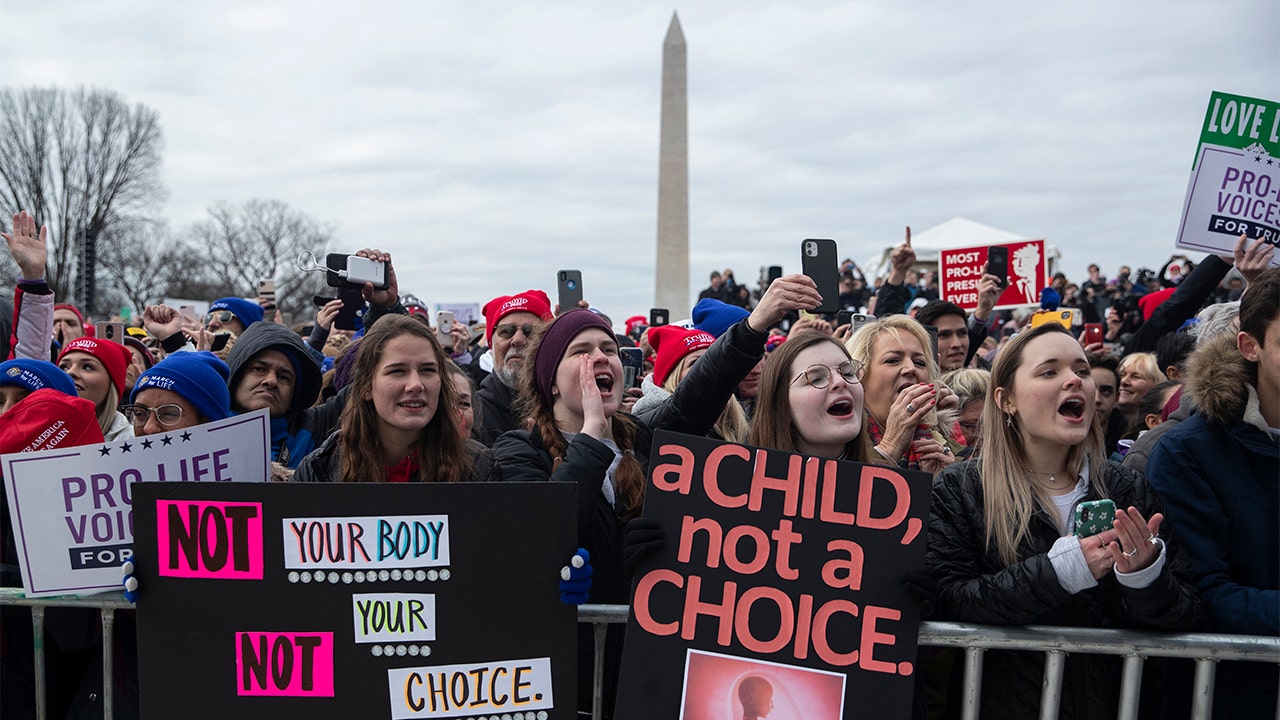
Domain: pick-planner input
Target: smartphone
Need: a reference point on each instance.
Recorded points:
(818, 260)
(359, 270)
(933, 340)
(632, 366)
(1062, 317)
(188, 312)
(220, 341)
(267, 293)
(109, 331)
(444, 324)
(860, 319)
(569, 288)
(774, 272)
(352, 309)
(1094, 516)
(659, 317)
(843, 318)
(1092, 333)
(998, 263)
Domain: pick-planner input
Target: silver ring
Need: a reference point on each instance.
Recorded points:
(1151, 538)
(1131, 553)
(946, 449)
(911, 408)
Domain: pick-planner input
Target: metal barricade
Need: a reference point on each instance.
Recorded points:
(1055, 642)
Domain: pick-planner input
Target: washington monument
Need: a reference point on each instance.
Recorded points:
(672, 266)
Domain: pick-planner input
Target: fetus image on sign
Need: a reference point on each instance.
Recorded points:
(756, 696)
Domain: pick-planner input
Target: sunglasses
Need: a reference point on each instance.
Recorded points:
(167, 415)
(222, 316)
(819, 376)
(508, 331)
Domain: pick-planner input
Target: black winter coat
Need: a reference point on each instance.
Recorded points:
(977, 587)
(325, 464)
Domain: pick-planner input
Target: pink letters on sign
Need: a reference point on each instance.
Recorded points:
(204, 539)
(297, 664)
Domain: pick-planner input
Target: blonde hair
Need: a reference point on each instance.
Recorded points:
(1009, 499)
(732, 424)
(863, 342)
(968, 384)
(107, 412)
(1146, 363)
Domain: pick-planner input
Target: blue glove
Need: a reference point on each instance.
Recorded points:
(130, 582)
(575, 579)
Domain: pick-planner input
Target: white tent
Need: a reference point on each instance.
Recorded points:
(954, 233)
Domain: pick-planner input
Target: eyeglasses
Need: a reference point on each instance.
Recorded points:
(819, 376)
(508, 331)
(223, 316)
(167, 415)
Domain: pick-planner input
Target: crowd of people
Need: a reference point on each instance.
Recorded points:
(1173, 415)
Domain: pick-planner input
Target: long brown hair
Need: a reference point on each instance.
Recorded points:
(1009, 498)
(442, 455)
(539, 411)
(771, 423)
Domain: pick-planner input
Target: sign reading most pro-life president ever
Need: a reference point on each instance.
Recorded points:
(1235, 179)
(777, 591)
(72, 508)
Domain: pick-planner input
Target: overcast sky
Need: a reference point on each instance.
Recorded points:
(487, 145)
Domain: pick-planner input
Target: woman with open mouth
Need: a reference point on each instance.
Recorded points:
(1004, 540)
(902, 394)
(572, 391)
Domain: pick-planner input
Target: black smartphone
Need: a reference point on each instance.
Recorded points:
(220, 341)
(569, 283)
(366, 271)
(659, 317)
(933, 340)
(844, 317)
(818, 260)
(352, 309)
(775, 272)
(998, 264)
(632, 366)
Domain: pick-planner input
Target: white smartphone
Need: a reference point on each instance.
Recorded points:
(444, 323)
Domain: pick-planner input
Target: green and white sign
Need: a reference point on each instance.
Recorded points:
(1235, 179)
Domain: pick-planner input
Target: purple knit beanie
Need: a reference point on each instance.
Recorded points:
(556, 339)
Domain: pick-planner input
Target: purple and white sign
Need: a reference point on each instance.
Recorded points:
(72, 509)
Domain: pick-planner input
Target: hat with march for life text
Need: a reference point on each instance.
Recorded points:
(200, 377)
(36, 375)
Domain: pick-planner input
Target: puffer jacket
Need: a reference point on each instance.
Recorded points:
(977, 587)
(325, 464)
(1218, 472)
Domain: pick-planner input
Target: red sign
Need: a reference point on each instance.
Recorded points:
(961, 269)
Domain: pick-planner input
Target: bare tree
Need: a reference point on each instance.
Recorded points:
(141, 262)
(80, 161)
(263, 239)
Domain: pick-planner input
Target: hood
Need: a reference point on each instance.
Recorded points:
(652, 398)
(1220, 383)
(273, 336)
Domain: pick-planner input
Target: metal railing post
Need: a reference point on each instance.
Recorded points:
(37, 627)
(972, 701)
(1202, 694)
(597, 675)
(1130, 687)
(1051, 690)
(108, 663)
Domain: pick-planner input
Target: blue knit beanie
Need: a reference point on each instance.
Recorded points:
(716, 317)
(36, 375)
(200, 377)
(247, 312)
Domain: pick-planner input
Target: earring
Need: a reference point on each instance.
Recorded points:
(1008, 420)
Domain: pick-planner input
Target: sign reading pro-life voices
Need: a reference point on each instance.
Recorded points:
(777, 591)
(1235, 179)
(72, 509)
(393, 601)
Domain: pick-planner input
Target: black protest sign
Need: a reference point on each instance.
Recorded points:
(271, 600)
(777, 590)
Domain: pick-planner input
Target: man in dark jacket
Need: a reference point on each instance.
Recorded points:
(1218, 473)
(510, 322)
(271, 367)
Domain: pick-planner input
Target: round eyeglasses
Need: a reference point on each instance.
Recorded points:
(819, 376)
